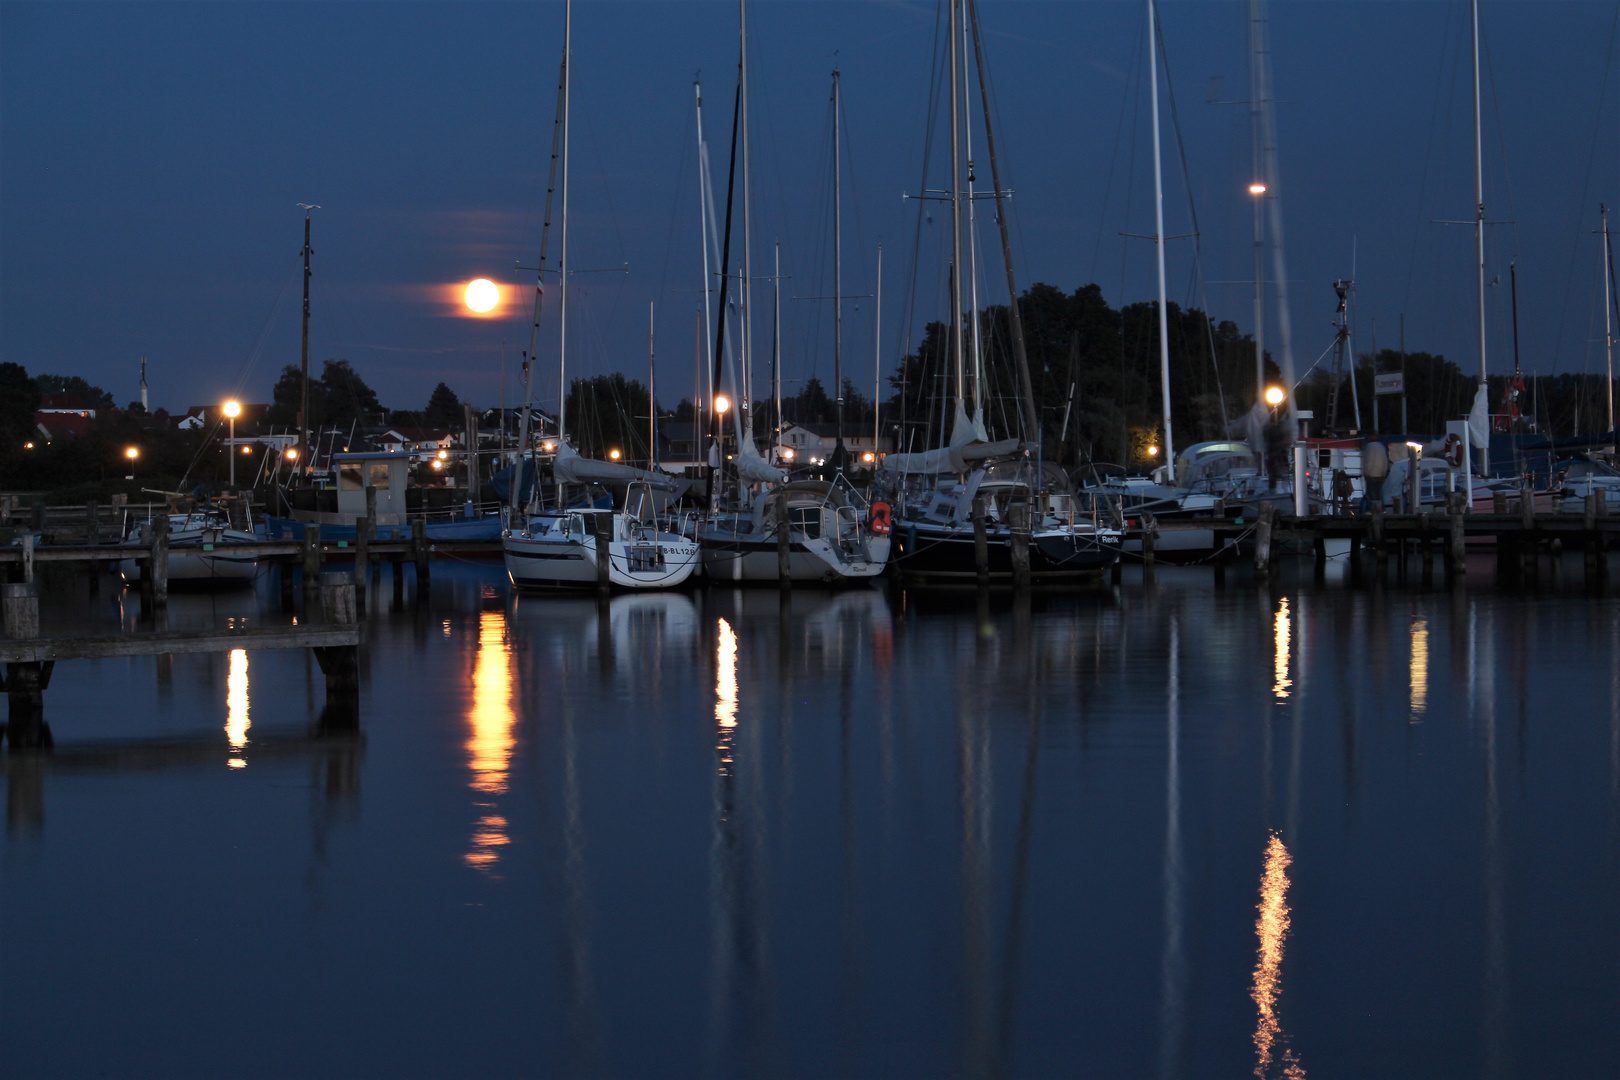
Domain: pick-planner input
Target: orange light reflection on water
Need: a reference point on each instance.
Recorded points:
(1272, 930)
(490, 742)
(725, 692)
(1283, 632)
(236, 705)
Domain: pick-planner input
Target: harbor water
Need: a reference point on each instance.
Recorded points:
(1154, 829)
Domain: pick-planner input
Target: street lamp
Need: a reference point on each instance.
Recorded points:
(613, 455)
(721, 404)
(1257, 188)
(131, 453)
(233, 409)
(1275, 396)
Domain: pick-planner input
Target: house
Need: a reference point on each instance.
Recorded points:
(813, 443)
(65, 405)
(250, 415)
(415, 440)
(62, 425)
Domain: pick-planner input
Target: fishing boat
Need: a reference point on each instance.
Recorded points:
(201, 544)
(377, 485)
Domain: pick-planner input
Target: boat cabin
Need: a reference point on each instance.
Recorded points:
(387, 472)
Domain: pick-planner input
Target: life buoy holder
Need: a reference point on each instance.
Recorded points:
(1453, 452)
(880, 519)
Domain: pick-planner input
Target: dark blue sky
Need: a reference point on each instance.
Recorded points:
(151, 156)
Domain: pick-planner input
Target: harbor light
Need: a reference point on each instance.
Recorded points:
(548, 447)
(482, 295)
(1274, 396)
(437, 464)
(232, 409)
(721, 404)
(28, 446)
(1153, 451)
(443, 454)
(247, 449)
(1257, 188)
(132, 453)
(613, 455)
(292, 453)
(787, 452)
(868, 457)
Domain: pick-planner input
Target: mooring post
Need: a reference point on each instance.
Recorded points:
(28, 557)
(1499, 502)
(92, 521)
(362, 559)
(339, 663)
(1527, 526)
(160, 560)
(1456, 563)
(1018, 522)
(25, 681)
(981, 543)
(419, 551)
(603, 525)
(1262, 541)
(784, 542)
(396, 568)
(312, 560)
(1150, 546)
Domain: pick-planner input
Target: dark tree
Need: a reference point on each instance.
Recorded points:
(19, 397)
(346, 398)
(94, 397)
(443, 408)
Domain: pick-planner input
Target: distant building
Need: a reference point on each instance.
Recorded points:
(57, 424)
(813, 443)
(207, 414)
(65, 405)
(415, 440)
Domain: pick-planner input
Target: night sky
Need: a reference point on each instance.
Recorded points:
(151, 156)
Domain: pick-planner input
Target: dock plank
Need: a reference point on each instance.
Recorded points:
(164, 642)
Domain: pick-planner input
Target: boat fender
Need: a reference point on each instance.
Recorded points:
(880, 519)
(1453, 452)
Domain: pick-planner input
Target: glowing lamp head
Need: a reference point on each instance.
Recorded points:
(437, 464)
(787, 452)
(131, 452)
(868, 457)
(28, 446)
(443, 454)
(613, 455)
(1416, 448)
(1257, 188)
(292, 453)
(722, 404)
(548, 447)
(1153, 451)
(232, 409)
(482, 295)
(1274, 396)
(247, 449)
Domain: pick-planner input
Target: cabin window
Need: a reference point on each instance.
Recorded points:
(379, 475)
(349, 473)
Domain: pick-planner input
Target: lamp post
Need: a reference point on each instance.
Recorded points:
(233, 409)
(131, 454)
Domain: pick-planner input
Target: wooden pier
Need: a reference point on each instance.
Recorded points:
(332, 632)
(1519, 535)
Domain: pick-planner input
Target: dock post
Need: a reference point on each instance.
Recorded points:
(1262, 541)
(1150, 547)
(1456, 563)
(1499, 502)
(784, 544)
(603, 524)
(396, 567)
(26, 681)
(1018, 529)
(312, 560)
(28, 557)
(339, 663)
(160, 560)
(362, 559)
(419, 551)
(981, 543)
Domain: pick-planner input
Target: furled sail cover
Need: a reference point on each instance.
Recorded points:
(949, 459)
(751, 466)
(1479, 420)
(570, 468)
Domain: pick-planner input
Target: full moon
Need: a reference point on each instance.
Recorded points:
(482, 295)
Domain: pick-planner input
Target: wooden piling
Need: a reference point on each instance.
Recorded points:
(28, 556)
(1499, 502)
(339, 663)
(981, 543)
(419, 551)
(1456, 563)
(603, 524)
(784, 543)
(312, 559)
(160, 560)
(362, 558)
(26, 680)
(1262, 541)
(1018, 536)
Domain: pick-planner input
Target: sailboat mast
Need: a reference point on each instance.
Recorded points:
(1479, 198)
(956, 203)
(703, 231)
(973, 237)
(652, 394)
(747, 343)
(303, 398)
(776, 339)
(1158, 219)
(838, 273)
(1257, 189)
(562, 256)
(1608, 324)
(877, 355)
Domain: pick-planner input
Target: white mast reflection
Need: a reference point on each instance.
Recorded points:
(489, 743)
(236, 707)
(1172, 965)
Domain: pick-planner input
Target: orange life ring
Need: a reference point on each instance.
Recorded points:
(1453, 452)
(879, 518)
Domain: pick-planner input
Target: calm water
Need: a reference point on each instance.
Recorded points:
(1158, 831)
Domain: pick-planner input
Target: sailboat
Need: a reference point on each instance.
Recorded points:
(585, 545)
(832, 536)
(974, 495)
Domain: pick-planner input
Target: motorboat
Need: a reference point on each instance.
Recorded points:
(200, 550)
(832, 537)
(562, 550)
